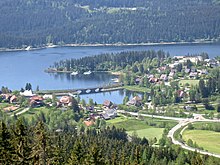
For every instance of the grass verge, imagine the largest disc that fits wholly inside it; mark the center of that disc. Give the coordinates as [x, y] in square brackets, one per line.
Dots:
[136, 88]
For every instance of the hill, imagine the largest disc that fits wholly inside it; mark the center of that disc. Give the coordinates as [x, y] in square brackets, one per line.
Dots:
[37, 22]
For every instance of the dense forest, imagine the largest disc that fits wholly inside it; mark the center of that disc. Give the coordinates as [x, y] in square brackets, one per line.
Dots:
[22, 144]
[38, 22]
[109, 61]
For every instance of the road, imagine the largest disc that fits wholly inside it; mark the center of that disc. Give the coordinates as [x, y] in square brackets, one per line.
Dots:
[155, 116]
[183, 145]
[23, 111]
[183, 122]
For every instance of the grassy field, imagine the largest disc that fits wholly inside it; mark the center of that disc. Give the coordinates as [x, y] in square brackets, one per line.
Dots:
[149, 133]
[136, 88]
[33, 111]
[130, 124]
[190, 82]
[3, 105]
[209, 140]
[140, 127]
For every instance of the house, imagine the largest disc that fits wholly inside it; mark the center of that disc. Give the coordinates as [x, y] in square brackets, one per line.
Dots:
[138, 80]
[203, 72]
[107, 103]
[164, 77]
[193, 69]
[136, 101]
[213, 63]
[66, 100]
[178, 57]
[150, 76]
[171, 74]
[194, 59]
[109, 114]
[36, 101]
[27, 93]
[161, 69]
[89, 123]
[13, 99]
[181, 93]
[187, 70]
[6, 97]
[47, 96]
[11, 108]
[188, 108]
[149, 105]
[153, 80]
[174, 65]
[90, 108]
[193, 75]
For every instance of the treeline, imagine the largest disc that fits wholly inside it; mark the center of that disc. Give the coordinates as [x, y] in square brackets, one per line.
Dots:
[22, 144]
[207, 126]
[206, 88]
[109, 61]
[36, 23]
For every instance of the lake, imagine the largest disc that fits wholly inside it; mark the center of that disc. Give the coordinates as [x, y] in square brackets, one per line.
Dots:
[18, 68]
[115, 96]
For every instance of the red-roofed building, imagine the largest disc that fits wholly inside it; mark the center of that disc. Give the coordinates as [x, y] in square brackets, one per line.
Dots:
[66, 100]
[107, 103]
[36, 101]
[13, 99]
[89, 123]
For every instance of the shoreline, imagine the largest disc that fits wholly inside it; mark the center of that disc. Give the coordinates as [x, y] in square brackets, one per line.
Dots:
[106, 45]
[51, 70]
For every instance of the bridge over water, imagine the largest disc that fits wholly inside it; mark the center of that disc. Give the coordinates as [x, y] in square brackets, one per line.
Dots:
[82, 90]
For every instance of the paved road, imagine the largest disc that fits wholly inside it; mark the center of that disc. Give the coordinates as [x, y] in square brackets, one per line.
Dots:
[23, 111]
[183, 122]
[183, 145]
[155, 116]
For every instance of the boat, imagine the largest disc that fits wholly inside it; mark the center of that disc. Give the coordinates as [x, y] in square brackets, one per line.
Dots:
[70, 94]
[97, 90]
[87, 73]
[52, 45]
[74, 73]
[28, 48]
[116, 80]
[88, 91]
[79, 91]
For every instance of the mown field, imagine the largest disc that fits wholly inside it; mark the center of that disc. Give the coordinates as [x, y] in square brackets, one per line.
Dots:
[149, 133]
[209, 140]
[190, 82]
[35, 111]
[140, 127]
[136, 88]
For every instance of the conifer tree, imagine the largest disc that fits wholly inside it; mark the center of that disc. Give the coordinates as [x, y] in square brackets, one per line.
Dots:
[6, 148]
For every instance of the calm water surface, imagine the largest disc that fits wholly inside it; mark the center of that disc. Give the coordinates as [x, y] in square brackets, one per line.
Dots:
[115, 96]
[18, 68]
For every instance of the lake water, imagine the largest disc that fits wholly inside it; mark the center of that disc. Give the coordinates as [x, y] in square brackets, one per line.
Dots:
[115, 96]
[18, 68]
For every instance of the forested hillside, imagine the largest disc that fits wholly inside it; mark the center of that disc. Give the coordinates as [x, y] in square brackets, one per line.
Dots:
[37, 22]
[22, 144]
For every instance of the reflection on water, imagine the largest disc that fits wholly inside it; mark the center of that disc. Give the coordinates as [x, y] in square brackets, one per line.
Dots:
[18, 68]
[114, 96]
[95, 79]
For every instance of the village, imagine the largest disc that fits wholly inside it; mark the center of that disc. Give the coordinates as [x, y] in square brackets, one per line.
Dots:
[185, 70]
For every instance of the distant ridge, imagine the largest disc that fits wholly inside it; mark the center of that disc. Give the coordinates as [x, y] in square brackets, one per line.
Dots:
[37, 23]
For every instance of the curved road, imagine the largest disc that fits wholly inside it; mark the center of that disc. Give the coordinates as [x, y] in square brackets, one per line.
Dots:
[182, 122]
